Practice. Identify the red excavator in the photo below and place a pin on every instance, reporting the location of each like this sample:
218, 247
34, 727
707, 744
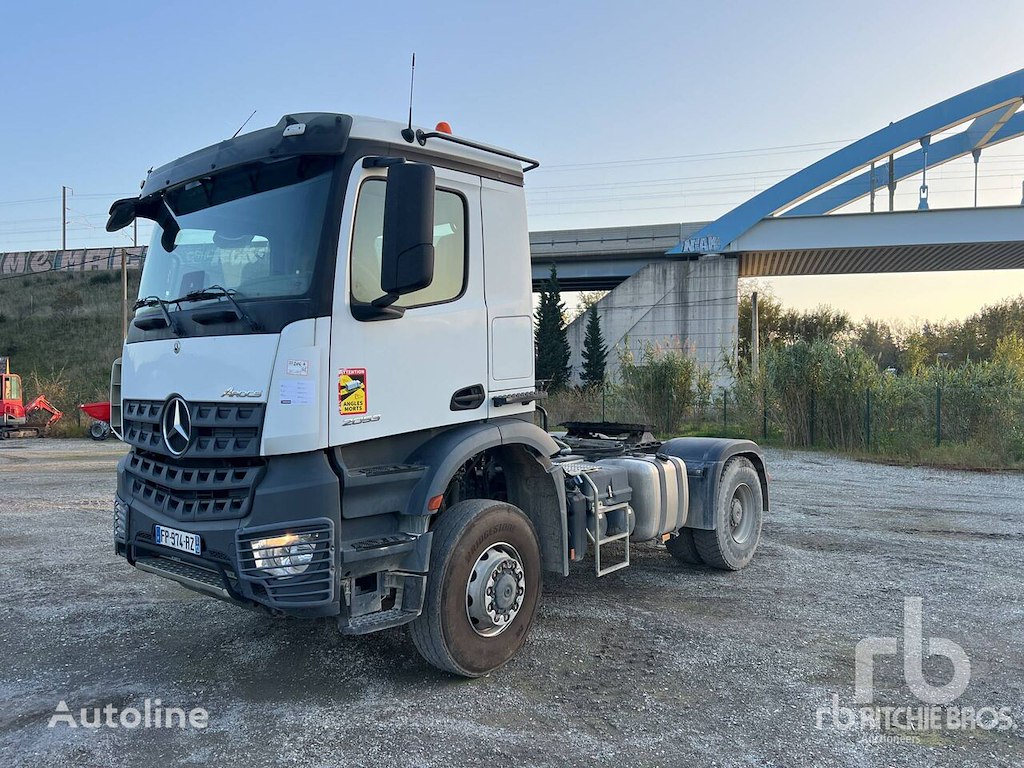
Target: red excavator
14, 414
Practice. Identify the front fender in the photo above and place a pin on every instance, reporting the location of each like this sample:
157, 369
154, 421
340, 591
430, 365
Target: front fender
538, 487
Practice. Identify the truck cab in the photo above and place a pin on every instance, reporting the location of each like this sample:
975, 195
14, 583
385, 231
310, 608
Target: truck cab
328, 390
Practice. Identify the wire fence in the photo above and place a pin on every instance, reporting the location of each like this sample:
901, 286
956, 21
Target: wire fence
900, 418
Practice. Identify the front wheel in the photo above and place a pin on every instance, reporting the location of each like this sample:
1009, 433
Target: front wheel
483, 588
738, 513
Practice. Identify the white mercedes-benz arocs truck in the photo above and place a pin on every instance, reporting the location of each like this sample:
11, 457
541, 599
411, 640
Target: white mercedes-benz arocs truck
328, 390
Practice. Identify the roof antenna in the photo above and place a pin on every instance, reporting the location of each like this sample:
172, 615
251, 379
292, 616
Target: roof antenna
243, 125
408, 133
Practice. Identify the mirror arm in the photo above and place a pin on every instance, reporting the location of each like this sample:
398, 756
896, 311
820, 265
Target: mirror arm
165, 218
368, 313
381, 161
385, 301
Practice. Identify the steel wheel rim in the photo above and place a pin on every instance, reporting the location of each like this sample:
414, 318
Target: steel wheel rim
742, 515
495, 589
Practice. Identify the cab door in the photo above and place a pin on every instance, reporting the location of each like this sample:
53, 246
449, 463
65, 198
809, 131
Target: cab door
427, 368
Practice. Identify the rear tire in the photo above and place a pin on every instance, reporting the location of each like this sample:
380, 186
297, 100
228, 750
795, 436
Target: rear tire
482, 590
683, 548
99, 430
738, 516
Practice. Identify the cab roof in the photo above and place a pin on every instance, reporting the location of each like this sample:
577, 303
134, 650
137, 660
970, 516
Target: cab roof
324, 133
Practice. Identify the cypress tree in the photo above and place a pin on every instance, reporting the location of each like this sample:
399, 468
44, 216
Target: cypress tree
551, 340
595, 353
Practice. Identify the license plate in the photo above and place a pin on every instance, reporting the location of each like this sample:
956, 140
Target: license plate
175, 539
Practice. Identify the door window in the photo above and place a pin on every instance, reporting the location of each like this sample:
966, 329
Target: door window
449, 280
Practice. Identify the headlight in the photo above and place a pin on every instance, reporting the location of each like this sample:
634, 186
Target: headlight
287, 555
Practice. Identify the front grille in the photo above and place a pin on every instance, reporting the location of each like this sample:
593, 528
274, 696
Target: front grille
193, 493
314, 586
219, 430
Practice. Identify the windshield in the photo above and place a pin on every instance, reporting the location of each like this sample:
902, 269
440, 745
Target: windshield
255, 231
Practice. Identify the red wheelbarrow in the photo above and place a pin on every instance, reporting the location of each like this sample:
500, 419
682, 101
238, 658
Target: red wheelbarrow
99, 429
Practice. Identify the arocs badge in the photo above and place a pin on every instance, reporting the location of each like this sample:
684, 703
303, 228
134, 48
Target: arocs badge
351, 391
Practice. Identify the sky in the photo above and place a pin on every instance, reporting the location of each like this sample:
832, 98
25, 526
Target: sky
639, 112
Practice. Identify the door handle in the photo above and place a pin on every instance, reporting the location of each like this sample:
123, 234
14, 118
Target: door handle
468, 398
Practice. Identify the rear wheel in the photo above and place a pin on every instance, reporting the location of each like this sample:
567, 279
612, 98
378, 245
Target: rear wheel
482, 590
738, 513
99, 430
683, 548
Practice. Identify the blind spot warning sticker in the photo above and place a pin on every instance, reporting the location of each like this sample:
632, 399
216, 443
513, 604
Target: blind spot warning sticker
351, 391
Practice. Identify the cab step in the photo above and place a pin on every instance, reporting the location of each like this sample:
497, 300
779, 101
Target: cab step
374, 622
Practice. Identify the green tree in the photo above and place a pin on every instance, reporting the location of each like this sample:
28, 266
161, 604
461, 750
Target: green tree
876, 339
820, 324
584, 301
551, 343
595, 353
915, 355
1009, 353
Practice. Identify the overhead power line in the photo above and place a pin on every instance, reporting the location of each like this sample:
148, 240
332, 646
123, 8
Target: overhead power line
782, 149
54, 198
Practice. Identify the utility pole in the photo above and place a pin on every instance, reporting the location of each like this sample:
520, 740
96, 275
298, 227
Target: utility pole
135, 232
755, 336
63, 217
124, 292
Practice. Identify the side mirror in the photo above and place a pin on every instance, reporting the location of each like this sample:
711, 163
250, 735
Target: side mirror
407, 252
122, 213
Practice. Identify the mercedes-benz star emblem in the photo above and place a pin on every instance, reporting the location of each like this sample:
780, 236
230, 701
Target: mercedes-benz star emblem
176, 426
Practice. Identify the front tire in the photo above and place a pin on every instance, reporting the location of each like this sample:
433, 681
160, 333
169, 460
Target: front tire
738, 515
483, 588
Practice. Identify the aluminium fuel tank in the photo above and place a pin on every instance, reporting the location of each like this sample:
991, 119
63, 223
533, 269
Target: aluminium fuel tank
660, 495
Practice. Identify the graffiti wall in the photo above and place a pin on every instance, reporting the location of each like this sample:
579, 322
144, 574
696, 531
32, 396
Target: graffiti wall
78, 260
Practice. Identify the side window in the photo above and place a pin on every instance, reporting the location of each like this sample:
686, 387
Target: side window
449, 247
11, 388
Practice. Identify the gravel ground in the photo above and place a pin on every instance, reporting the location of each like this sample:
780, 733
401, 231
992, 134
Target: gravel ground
655, 665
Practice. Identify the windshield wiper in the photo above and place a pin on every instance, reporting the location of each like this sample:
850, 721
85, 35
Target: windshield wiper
150, 323
215, 292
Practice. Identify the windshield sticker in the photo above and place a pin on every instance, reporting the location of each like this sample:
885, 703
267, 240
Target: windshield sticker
297, 393
298, 367
351, 391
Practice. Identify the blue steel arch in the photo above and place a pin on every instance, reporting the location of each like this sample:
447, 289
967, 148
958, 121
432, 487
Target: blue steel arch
992, 107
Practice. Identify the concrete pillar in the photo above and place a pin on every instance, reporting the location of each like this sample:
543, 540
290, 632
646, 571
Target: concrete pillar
688, 306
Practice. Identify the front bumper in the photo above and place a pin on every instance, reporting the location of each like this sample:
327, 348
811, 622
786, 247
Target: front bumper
289, 494
364, 568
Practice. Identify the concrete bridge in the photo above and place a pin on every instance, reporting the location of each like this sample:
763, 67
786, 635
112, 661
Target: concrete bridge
675, 285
